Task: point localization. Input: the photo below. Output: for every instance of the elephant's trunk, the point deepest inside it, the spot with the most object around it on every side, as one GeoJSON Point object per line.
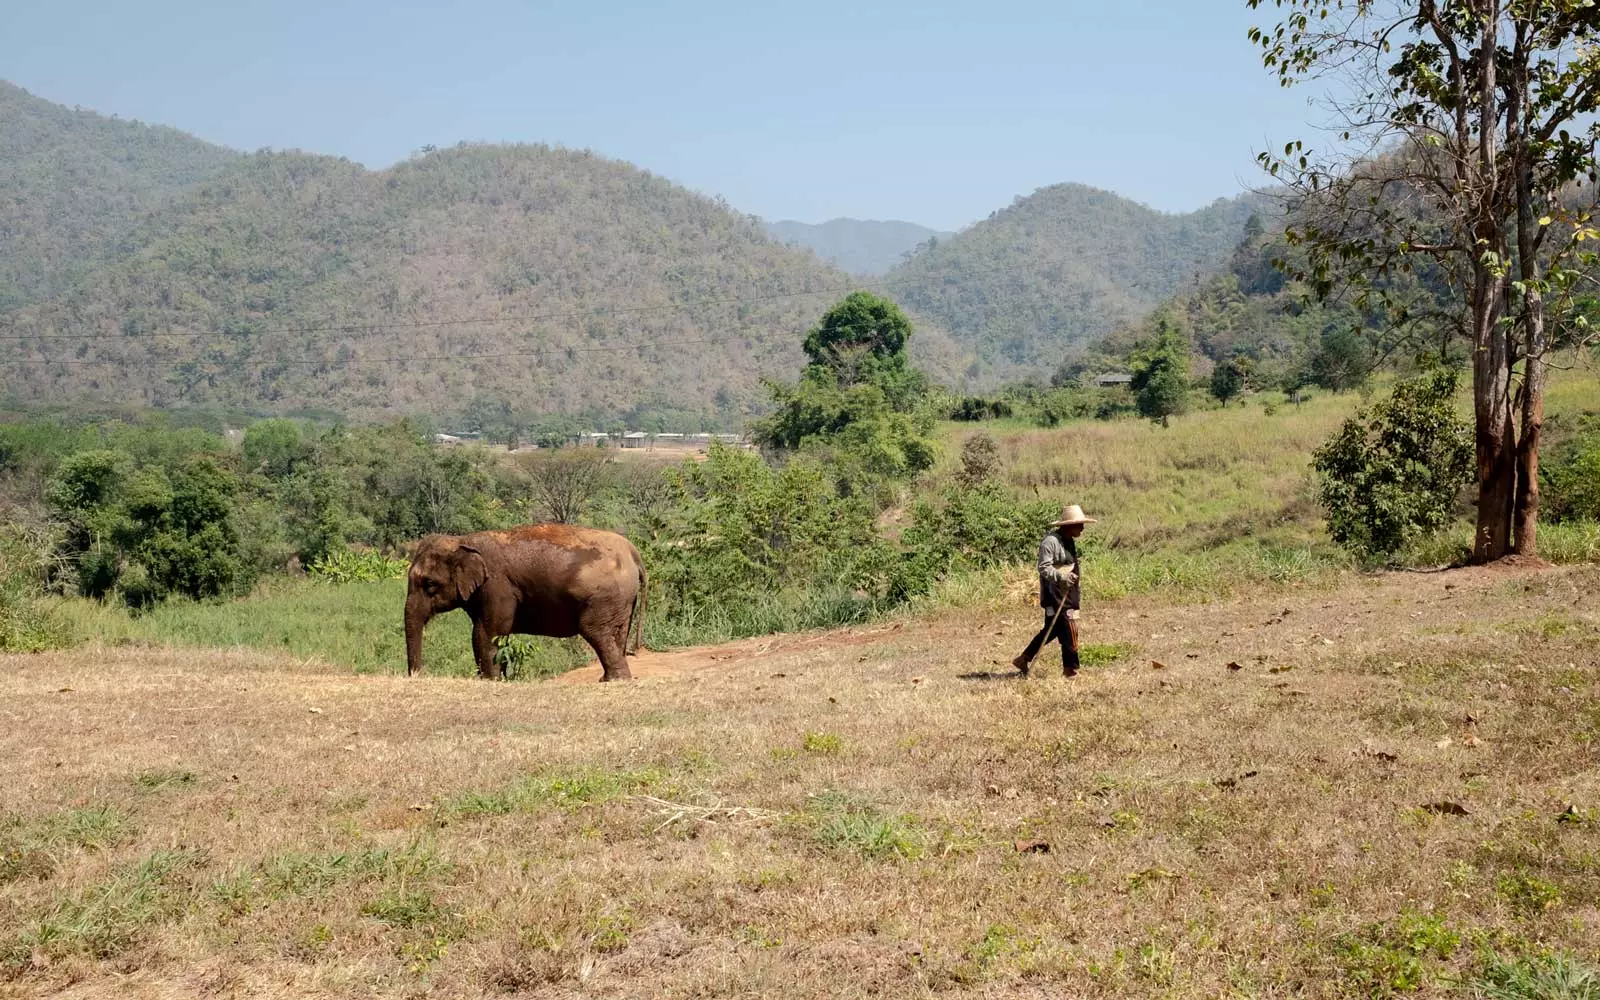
{"type": "Point", "coordinates": [417, 614]}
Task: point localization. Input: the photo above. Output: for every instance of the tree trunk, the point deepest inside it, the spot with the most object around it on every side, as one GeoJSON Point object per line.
{"type": "Point", "coordinates": [1525, 540]}
{"type": "Point", "coordinates": [1491, 358]}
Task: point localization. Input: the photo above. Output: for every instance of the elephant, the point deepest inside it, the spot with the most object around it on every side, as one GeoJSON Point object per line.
{"type": "Point", "coordinates": [540, 579]}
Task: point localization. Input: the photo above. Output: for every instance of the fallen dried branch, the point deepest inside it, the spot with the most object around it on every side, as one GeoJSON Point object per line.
{"type": "Point", "coordinates": [678, 811]}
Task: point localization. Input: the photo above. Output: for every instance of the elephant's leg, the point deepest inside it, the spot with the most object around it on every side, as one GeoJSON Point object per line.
{"type": "Point", "coordinates": [611, 646]}
{"type": "Point", "coordinates": [483, 649]}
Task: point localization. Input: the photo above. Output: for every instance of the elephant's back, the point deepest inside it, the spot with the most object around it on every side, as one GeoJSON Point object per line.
{"type": "Point", "coordinates": [592, 561]}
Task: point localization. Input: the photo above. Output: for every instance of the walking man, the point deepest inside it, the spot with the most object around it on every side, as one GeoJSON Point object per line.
{"type": "Point", "coordinates": [1058, 591]}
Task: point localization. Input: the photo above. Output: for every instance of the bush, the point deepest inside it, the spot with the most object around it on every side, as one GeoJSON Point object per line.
{"type": "Point", "coordinates": [1570, 490]}
{"type": "Point", "coordinates": [974, 527]}
{"type": "Point", "coordinates": [26, 625]}
{"type": "Point", "coordinates": [345, 566]}
{"type": "Point", "coordinates": [1388, 478]}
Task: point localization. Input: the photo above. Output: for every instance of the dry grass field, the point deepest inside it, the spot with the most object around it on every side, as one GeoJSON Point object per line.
{"type": "Point", "coordinates": [1360, 789]}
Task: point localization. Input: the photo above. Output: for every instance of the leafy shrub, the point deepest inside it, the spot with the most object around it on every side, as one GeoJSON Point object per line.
{"type": "Point", "coordinates": [1570, 490]}
{"type": "Point", "coordinates": [346, 566]}
{"type": "Point", "coordinates": [970, 409]}
{"type": "Point", "coordinates": [980, 461]}
{"type": "Point", "coordinates": [972, 528]}
{"type": "Point", "coordinates": [26, 625]}
{"type": "Point", "coordinates": [1394, 475]}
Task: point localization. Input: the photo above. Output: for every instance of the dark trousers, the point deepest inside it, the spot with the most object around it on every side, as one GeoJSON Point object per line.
{"type": "Point", "coordinates": [1065, 632]}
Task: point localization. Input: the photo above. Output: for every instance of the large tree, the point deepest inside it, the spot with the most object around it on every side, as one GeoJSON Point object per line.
{"type": "Point", "coordinates": [1462, 133]}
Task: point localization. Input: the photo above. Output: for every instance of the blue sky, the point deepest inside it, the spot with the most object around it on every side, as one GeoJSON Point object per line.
{"type": "Point", "coordinates": [932, 112]}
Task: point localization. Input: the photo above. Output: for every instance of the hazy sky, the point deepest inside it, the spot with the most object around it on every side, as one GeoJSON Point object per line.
{"type": "Point", "coordinates": [933, 112]}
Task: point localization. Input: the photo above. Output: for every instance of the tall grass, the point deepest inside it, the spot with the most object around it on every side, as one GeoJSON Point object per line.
{"type": "Point", "coordinates": [1208, 478]}
{"type": "Point", "coordinates": [354, 625]}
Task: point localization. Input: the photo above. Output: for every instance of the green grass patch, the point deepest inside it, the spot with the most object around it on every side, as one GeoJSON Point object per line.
{"type": "Point", "coordinates": [107, 918]}
{"type": "Point", "coordinates": [839, 822]}
{"type": "Point", "coordinates": [1098, 654]}
{"type": "Point", "coordinates": [33, 849]}
{"type": "Point", "coordinates": [568, 790]}
{"type": "Point", "coordinates": [1544, 977]}
{"type": "Point", "coordinates": [160, 778]}
{"type": "Point", "coordinates": [358, 625]}
{"type": "Point", "coordinates": [298, 875]}
{"type": "Point", "coordinates": [1399, 956]}
{"type": "Point", "coordinates": [822, 743]}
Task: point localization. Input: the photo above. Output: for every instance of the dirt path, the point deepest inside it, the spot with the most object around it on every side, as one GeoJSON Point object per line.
{"type": "Point", "coordinates": [694, 659]}
{"type": "Point", "coordinates": [1258, 624]}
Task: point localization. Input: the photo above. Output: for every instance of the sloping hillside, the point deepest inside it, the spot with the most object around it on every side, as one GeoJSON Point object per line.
{"type": "Point", "coordinates": [73, 182]}
{"type": "Point", "coordinates": [1057, 269]}
{"type": "Point", "coordinates": [553, 278]}
{"type": "Point", "coordinates": [860, 246]}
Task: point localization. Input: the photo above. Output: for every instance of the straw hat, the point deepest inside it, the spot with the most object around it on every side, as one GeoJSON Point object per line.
{"type": "Point", "coordinates": [1072, 514]}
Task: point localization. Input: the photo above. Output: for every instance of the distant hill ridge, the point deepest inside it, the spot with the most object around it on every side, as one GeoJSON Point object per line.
{"type": "Point", "coordinates": [72, 183]}
{"type": "Point", "coordinates": [860, 246]}
{"type": "Point", "coordinates": [145, 266]}
{"type": "Point", "coordinates": [1058, 269]}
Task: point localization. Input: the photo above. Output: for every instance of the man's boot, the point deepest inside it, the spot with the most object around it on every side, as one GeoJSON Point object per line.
{"type": "Point", "coordinates": [1021, 663]}
{"type": "Point", "coordinates": [1069, 649]}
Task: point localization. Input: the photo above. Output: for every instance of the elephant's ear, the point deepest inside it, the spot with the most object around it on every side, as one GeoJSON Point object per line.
{"type": "Point", "coordinates": [470, 572]}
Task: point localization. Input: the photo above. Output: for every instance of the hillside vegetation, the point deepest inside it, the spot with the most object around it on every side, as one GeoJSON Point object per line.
{"type": "Point", "coordinates": [860, 246]}
{"type": "Point", "coordinates": [73, 183]}
{"type": "Point", "coordinates": [150, 268]}
{"type": "Point", "coordinates": [556, 279]}
{"type": "Point", "coordinates": [1058, 269]}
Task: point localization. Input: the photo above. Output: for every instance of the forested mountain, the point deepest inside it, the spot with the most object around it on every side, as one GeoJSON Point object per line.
{"type": "Point", "coordinates": [553, 280]}
{"type": "Point", "coordinates": [860, 246]}
{"type": "Point", "coordinates": [1058, 269]}
{"type": "Point", "coordinates": [72, 183]}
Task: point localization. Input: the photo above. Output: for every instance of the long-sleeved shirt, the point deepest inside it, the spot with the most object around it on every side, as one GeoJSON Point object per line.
{"type": "Point", "coordinates": [1058, 572]}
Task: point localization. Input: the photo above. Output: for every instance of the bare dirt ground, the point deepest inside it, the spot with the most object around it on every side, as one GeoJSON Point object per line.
{"type": "Point", "coordinates": [1358, 790]}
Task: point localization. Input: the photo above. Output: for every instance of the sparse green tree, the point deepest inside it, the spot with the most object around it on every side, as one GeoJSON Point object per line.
{"type": "Point", "coordinates": [1487, 114]}
{"type": "Point", "coordinates": [1227, 378]}
{"type": "Point", "coordinates": [1341, 361]}
{"type": "Point", "coordinates": [859, 397]}
{"type": "Point", "coordinates": [273, 448]}
{"type": "Point", "coordinates": [1161, 373]}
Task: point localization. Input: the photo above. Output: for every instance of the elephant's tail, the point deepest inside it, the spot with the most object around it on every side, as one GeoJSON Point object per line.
{"type": "Point", "coordinates": [638, 604]}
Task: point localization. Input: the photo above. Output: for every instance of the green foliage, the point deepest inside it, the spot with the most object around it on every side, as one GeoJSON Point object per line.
{"type": "Point", "coordinates": [970, 527]}
{"type": "Point", "coordinates": [26, 624]}
{"type": "Point", "coordinates": [862, 339]}
{"type": "Point", "coordinates": [346, 566]}
{"type": "Point", "coordinates": [1570, 487]}
{"type": "Point", "coordinates": [1341, 361]}
{"type": "Point", "coordinates": [273, 448]}
{"type": "Point", "coordinates": [974, 408]}
{"type": "Point", "coordinates": [740, 530]}
{"type": "Point", "coordinates": [1545, 977]}
{"type": "Point", "coordinates": [1228, 379]}
{"type": "Point", "coordinates": [1060, 268]}
{"type": "Point", "coordinates": [1393, 475]}
{"type": "Point", "coordinates": [859, 399]}
{"type": "Point", "coordinates": [1161, 373]}
{"type": "Point", "coordinates": [152, 531]}
{"type": "Point", "coordinates": [1397, 956]}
